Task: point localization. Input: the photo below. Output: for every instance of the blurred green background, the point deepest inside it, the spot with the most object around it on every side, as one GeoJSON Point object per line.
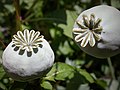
{"type": "Point", "coordinates": [73, 69]}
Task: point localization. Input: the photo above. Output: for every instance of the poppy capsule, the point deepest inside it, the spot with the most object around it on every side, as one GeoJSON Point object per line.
{"type": "Point", "coordinates": [28, 56]}
{"type": "Point", "coordinates": [97, 31]}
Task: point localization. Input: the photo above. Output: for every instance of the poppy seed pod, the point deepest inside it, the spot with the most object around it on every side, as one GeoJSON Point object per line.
{"type": "Point", "coordinates": [97, 31]}
{"type": "Point", "coordinates": [28, 56]}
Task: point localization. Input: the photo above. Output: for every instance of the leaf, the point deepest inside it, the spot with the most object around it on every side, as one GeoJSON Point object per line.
{"type": "Point", "coordinates": [1, 52]}
{"type": "Point", "coordinates": [46, 85]}
{"type": "Point", "coordinates": [102, 83]}
{"type": "Point", "coordinates": [60, 71]}
{"type": "Point", "coordinates": [25, 27]}
{"type": "Point", "coordinates": [65, 48]}
{"type": "Point", "coordinates": [75, 81]}
{"type": "Point", "coordinates": [115, 3]}
{"type": "Point", "coordinates": [86, 75]}
{"type": "Point", "coordinates": [28, 2]}
{"type": "Point", "coordinates": [10, 8]}
{"type": "Point", "coordinates": [2, 86]}
{"type": "Point", "coordinates": [71, 17]}
{"type": "Point", "coordinates": [80, 77]}
{"type": "Point", "coordinates": [84, 87]}
{"type": "Point", "coordinates": [2, 72]}
{"type": "Point", "coordinates": [58, 16]}
{"type": "Point", "coordinates": [1, 34]}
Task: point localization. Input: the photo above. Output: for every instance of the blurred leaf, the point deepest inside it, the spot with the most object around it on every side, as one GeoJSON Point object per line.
{"type": "Point", "coordinates": [80, 77]}
{"type": "Point", "coordinates": [25, 27]}
{"type": "Point", "coordinates": [60, 71]}
{"type": "Point", "coordinates": [1, 34]}
{"type": "Point", "coordinates": [65, 48]}
{"type": "Point", "coordinates": [38, 8]}
{"type": "Point", "coordinates": [59, 87]}
{"type": "Point", "coordinates": [2, 86]}
{"type": "Point", "coordinates": [109, 84]}
{"type": "Point", "coordinates": [58, 16]}
{"type": "Point", "coordinates": [114, 85]}
{"type": "Point", "coordinates": [84, 87]}
{"type": "Point", "coordinates": [86, 75]}
{"type": "Point", "coordinates": [2, 72]}
{"type": "Point", "coordinates": [10, 8]}
{"type": "Point", "coordinates": [75, 82]}
{"type": "Point", "coordinates": [79, 87]}
{"type": "Point", "coordinates": [57, 35]}
{"type": "Point", "coordinates": [115, 3]}
{"type": "Point", "coordinates": [76, 63]}
{"type": "Point", "coordinates": [78, 9]}
{"type": "Point", "coordinates": [1, 18]}
{"type": "Point", "coordinates": [71, 17]}
{"type": "Point", "coordinates": [53, 32]}
{"type": "Point", "coordinates": [5, 80]}
{"type": "Point", "coordinates": [28, 2]}
{"type": "Point", "coordinates": [46, 85]}
{"type": "Point", "coordinates": [1, 52]}
{"type": "Point", "coordinates": [34, 12]}
{"type": "Point", "coordinates": [85, 1]}
{"type": "Point", "coordinates": [102, 83]}
{"type": "Point", "coordinates": [56, 32]}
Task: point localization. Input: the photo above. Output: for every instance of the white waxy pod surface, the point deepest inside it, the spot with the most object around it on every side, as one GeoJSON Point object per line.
{"type": "Point", "coordinates": [97, 31]}
{"type": "Point", "coordinates": [27, 58]}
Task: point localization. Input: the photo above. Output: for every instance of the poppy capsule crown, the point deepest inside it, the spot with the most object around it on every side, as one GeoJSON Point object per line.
{"type": "Point", "coordinates": [28, 56]}
{"type": "Point", "coordinates": [97, 31]}
{"type": "Point", "coordinates": [89, 30]}
{"type": "Point", "coordinates": [27, 41]}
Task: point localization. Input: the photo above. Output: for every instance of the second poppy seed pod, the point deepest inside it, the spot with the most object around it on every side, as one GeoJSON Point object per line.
{"type": "Point", "coordinates": [28, 56]}
{"type": "Point", "coordinates": [97, 31]}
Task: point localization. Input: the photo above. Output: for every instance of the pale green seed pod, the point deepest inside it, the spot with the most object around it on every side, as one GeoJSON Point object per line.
{"type": "Point", "coordinates": [97, 31]}
{"type": "Point", "coordinates": [28, 56]}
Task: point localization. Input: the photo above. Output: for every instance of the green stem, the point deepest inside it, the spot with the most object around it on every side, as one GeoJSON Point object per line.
{"type": "Point", "coordinates": [111, 68]}
{"type": "Point", "coordinates": [30, 9]}
{"type": "Point", "coordinates": [44, 19]}
{"type": "Point", "coordinates": [18, 16]}
{"type": "Point", "coordinates": [2, 43]}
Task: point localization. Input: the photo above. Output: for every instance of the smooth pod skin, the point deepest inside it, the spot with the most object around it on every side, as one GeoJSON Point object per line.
{"type": "Point", "coordinates": [26, 66]}
{"type": "Point", "coordinates": [109, 44]}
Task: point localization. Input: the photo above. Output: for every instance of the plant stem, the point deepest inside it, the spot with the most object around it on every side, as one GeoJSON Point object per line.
{"type": "Point", "coordinates": [18, 16]}
{"type": "Point", "coordinates": [30, 9]}
{"type": "Point", "coordinates": [111, 68]}
{"type": "Point", "coordinates": [2, 43]}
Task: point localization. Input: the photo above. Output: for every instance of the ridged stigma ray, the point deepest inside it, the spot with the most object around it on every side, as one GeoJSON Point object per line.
{"type": "Point", "coordinates": [88, 30]}
{"type": "Point", "coordinates": [27, 40]}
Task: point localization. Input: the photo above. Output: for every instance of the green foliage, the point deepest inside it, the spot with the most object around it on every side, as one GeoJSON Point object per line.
{"type": "Point", "coordinates": [46, 85]}
{"type": "Point", "coordinates": [2, 72]}
{"type": "Point", "coordinates": [2, 86]}
{"type": "Point", "coordinates": [60, 71]}
{"type": "Point", "coordinates": [101, 83]}
{"type": "Point", "coordinates": [115, 3]}
{"type": "Point", "coordinates": [73, 69]}
{"type": "Point", "coordinates": [71, 17]}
